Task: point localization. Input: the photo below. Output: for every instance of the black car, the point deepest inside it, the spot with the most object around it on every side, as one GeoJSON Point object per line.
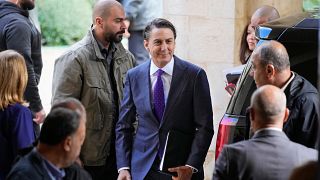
{"type": "Point", "coordinates": [299, 34]}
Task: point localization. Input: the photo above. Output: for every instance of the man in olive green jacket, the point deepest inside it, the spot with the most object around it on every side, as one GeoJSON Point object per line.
{"type": "Point", "coordinates": [94, 71]}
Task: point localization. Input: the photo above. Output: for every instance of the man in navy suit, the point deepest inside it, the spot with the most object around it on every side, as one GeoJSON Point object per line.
{"type": "Point", "coordinates": [162, 95]}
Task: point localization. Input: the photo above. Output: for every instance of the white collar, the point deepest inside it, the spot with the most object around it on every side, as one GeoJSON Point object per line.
{"type": "Point", "coordinates": [269, 128]}
{"type": "Point", "coordinates": [286, 85]}
{"type": "Point", "coordinates": [168, 68]}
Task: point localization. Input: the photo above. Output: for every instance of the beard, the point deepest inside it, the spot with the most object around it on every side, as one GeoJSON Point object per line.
{"type": "Point", "coordinates": [117, 37]}
{"type": "Point", "coordinates": [27, 4]}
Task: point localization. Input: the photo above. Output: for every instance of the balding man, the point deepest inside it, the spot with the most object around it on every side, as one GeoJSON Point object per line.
{"type": "Point", "coordinates": [271, 65]}
{"type": "Point", "coordinates": [93, 71]}
{"type": "Point", "coordinates": [269, 154]}
{"type": "Point", "coordinates": [61, 137]}
{"type": "Point", "coordinates": [264, 14]}
{"type": "Point", "coordinates": [75, 171]}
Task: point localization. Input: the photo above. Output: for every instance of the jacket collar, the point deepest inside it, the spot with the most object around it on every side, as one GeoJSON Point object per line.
{"type": "Point", "coordinates": [297, 87]}
{"type": "Point", "coordinates": [38, 163]}
{"type": "Point", "coordinates": [7, 7]}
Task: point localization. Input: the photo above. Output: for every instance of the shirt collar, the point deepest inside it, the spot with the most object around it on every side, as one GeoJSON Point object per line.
{"type": "Point", "coordinates": [288, 82]}
{"type": "Point", "coordinates": [56, 172]}
{"type": "Point", "coordinates": [269, 128]}
{"type": "Point", "coordinates": [168, 69]}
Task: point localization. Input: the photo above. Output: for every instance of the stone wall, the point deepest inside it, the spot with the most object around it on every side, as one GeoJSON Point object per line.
{"type": "Point", "coordinates": [208, 34]}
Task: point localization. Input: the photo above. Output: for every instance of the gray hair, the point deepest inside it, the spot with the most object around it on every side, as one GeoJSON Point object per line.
{"type": "Point", "coordinates": [273, 52]}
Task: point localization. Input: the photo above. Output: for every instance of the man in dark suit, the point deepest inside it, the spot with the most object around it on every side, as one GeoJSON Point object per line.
{"type": "Point", "coordinates": [269, 154]}
{"type": "Point", "coordinates": [163, 94]}
{"type": "Point", "coordinates": [61, 137]}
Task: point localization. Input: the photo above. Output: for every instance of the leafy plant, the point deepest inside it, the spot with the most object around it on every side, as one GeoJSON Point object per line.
{"type": "Point", "coordinates": [311, 5]}
{"type": "Point", "coordinates": [64, 22]}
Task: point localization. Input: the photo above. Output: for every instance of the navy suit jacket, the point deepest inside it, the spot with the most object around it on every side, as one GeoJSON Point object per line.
{"type": "Point", "coordinates": [188, 110]}
{"type": "Point", "coordinates": [29, 167]}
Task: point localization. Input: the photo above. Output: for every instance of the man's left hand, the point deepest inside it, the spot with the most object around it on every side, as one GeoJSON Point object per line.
{"type": "Point", "coordinates": [184, 172]}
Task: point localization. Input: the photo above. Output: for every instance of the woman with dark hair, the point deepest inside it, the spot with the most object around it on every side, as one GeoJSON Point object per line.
{"type": "Point", "coordinates": [16, 129]}
{"type": "Point", "coordinates": [247, 44]}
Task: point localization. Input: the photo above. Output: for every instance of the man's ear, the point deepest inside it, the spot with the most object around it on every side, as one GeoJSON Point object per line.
{"type": "Point", "coordinates": [252, 119]}
{"type": "Point", "coordinates": [252, 114]}
{"type": "Point", "coordinates": [99, 21]}
{"type": "Point", "coordinates": [67, 144]}
{"type": "Point", "coordinates": [286, 115]}
{"type": "Point", "coordinates": [146, 44]}
{"type": "Point", "coordinates": [270, 71]}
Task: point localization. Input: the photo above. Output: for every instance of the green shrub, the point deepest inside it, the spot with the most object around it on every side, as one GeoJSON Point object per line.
{"type": "Point", "coordinates": [311, 5]}
{"type": "Point", "coordinates": [64, 22]}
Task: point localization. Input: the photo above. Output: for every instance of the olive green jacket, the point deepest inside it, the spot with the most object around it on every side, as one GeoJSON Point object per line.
{"type": "Point", "coordinates": [81, 73]}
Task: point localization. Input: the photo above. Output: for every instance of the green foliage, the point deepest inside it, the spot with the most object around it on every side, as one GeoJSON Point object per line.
{"type": "Point", "coordinates": [64, 22]}
{"type": "Point", "coordinates": [311, 5]}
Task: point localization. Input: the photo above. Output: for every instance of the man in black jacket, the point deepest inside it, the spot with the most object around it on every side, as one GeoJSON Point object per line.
{"type": "Point", "coordinates": [18, 33]}
{"type": "Point", "coordinates": [271, 65]}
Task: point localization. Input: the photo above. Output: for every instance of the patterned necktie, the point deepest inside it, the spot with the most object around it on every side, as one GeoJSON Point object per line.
{"type": "Point", "coordinates": [158, 96]}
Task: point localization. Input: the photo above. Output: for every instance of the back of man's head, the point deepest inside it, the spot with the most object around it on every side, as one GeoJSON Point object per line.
{"type": "Point", "coordinates": [72, 104]}
{"type": "Point", "coordinates": [264, 14]}
{"type": "Point", "coordinates": [58, 125]}
{"type": "Point", "coordinates": [274, 53]}
{"type": "Point", "coordinates": [269, 105]}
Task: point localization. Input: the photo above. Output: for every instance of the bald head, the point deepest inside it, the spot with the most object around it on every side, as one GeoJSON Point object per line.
{"type": "Point", "coordinates": [264, 14]}
{"type": "Point", "coordinates": [103, 8]}
{"type": "Point", "coordinates": [274, 53]}
{"type": "Point", "coordinates": [269, 105]}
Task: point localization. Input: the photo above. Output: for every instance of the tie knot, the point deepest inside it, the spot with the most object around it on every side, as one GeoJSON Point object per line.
{"type": "Point", "coordinates": [160, 72]}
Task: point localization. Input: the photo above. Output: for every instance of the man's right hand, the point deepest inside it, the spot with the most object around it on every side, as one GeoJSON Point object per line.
{"type": "Point", "coordinates": [124, 175]}
{"type": "Point", "coordinates": [39, 116]}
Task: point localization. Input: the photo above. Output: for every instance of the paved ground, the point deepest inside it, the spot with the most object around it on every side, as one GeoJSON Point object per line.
{"type": "Point", "coordinates": [49, 54]}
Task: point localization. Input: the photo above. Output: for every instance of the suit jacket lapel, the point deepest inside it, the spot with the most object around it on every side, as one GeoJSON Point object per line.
{"type": "Point", "coordinates": [176, 87]}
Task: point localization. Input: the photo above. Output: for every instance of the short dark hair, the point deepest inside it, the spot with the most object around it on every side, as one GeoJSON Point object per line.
{"type": "Point", "coordinates": [158, 23]}
{"type": "Point", "coordinates": [58, 125]}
